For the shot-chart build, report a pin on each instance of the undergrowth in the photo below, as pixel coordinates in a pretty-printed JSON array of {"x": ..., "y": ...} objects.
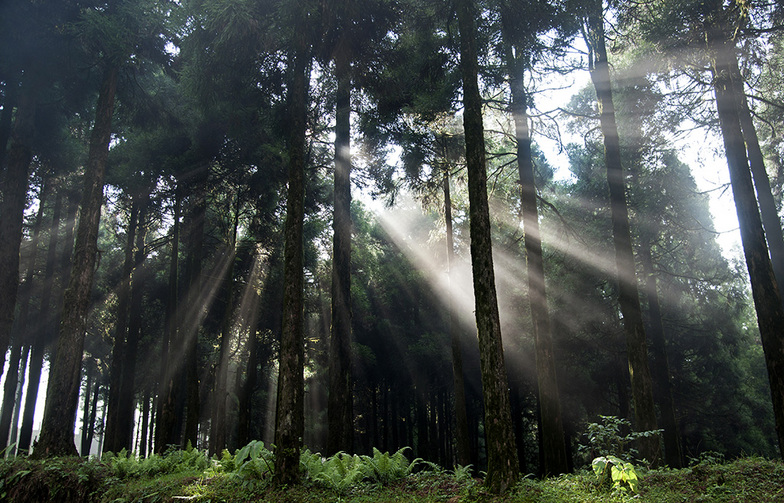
[{"x": 246, "y": 475}]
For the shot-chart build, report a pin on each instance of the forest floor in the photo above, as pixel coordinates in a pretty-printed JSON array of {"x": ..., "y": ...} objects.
[{"x": 118, "y": 480}]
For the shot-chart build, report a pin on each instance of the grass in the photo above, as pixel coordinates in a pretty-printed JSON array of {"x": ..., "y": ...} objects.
[{"x": 191, "y": 476}]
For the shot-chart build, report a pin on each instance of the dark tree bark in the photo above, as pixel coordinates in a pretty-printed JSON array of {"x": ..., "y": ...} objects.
[
  {"x": 628, "y": 294},
  {"x": 660, "y": 369},
  {"x": 552, "y": 442},
  {"x": 20, "y": 387},
  {"x": 218, "y": 424},
  {"x": 189, "y": 330},
  {"x": 144, "y": 429},
  {"x": 63, "y": 391},
  {"x": 340, "y": 416},
  {"x": 771, "y": 222},
  {"x": 767, "y": 297},
  {"x": 84, "y": 447},
  {"x": 88, "y": 442},
  {"x": 165, "y": 416},
  {"x": 21, "y": 336},
  {"x": 127, "y": 395},
  {"x": 112, "y": 441},
  {"x": 43, "y": 337},
  {"x": 458, "y": 378},
  {"x": 289, "y": 415},
  {"x": 11, "y": 93},
  {"x": 12, "y": 205},
  {"x": 502, "y": 462},
  {"x": 245, "y": 399}
]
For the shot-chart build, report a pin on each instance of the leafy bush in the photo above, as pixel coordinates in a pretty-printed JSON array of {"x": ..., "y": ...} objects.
[
  {"x": 622, "y": 474},
  {"x": 254, "y": 462},
  {"x": 608, "y": 438}
]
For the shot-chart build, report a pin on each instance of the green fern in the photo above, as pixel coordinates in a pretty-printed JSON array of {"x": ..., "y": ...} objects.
[
  {"x": 385, "y": 468},
  {"x": 341, "y": 472}
]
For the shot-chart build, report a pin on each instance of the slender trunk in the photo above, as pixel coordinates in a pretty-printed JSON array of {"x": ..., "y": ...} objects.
[
  {"x": 142, "y": 450},
  {"x": 11, "y": 93},
  {"x": 21, "y": 333},
  {"x": 12, "y": 205},
  {"x": 246, "y": 392},
  {"x": 628, "y": 295},
  {"x": 126, "y": 400},
  {"x": 767, "y": 205},
  {"x": 218, "y": 425},
  {"x": 20, "y": 386},
  {"x": 165, "y": 414},
  {"x": 767, "y": 298},
  {"x": 289, "y": 417},
  {"x": 189, "y": 332},
  {"x": 502, "y": 462},
  {"x": 102, "y": 429},
  {"x": 552, "y": 442},
  {"x": 461, "y": 414},
  {"x": 340, "y": 420},
  {"x": 87, "y": 447},
  {"x": 661, "y": 366},
  {"x": 84, "y": 447},
  {"x": 63, "y": 391},
  {"x": 112, "y": 441}
]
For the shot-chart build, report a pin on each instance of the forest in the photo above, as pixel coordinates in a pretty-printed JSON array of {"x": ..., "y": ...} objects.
[{"x": 469, "y": 228}]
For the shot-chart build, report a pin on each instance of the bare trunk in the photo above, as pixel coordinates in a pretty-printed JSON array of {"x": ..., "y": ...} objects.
[
  {"x": 21, "y": 335},
  {"x": 502, "y": 465},
  {"x": 458, "y": 378},
  {"x": 218, "y": 425},
  {"x": 340, "y": 420},
  {"x": 289, "y": 416},
  {"x": 552, "y": 442},
  {"x": 661, "y": 366},
  {"x": 165, "y": 417},
  {"x": 189, "y": 329},
  {"x": 63, "y": 391},
  {"x": 12, "y": 205},
  {"x": 112, "y": 441},
  {"x": 767, "y": 298},
  {"x": 767, "y": 205},
  {"x": 127, "y": 395},
  {"x": 628, "y": 295}
]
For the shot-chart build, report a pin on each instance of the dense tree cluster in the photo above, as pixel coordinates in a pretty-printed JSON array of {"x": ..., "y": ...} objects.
[{"x": 181, "y": 255}]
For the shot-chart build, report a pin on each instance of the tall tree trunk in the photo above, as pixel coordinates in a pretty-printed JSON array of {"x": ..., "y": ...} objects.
[
  {"x": 767, "y": 205},
  {"x": 84, "y": 447},
  {"x": 12, "y": 205},
  {"x": 63, "y": 391},
  {"x": 20, "y": 387},
  {"x": 165, "y": 416},
  {"x": 245, "y": 405},
  {"x": 767, "y": 297},
  {"x": 219, "y": 430},
  {"x": 661, "y": 366},
  {"x": 502, "y": 462},
  {"x": 189, "y": 332},
  {"x": 552, "y": 442},
  {"x": 21, "y": 336},
  {"x": 340, "y": 420},
  {"x": 10, "y": 98},
  {"x": 458, "y": 378},
  {"x": 127, "y": 395},
  {"x": 112, "y": 441},
  {"x": 143, "y": 433},
  {"x": 289, "y": 416},
  {"x": 43, "y": 337},
  {"x": 628, "y": 295}
]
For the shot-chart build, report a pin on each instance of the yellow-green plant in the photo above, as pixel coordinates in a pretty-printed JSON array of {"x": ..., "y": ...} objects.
[{"x": 622, "y": 473}]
